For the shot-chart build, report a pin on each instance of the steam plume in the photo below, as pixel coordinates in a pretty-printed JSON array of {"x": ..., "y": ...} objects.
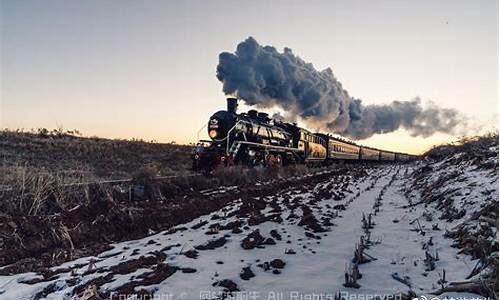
[{"x": 262, "y": 76}]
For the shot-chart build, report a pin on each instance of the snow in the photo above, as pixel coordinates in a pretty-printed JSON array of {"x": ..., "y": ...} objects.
[{"x": 318, "y": 266}]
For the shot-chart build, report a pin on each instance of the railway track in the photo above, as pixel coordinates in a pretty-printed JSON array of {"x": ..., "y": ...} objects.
[
  {"x": 106, "y": 182},
  {"x": 6, "y": 188}
]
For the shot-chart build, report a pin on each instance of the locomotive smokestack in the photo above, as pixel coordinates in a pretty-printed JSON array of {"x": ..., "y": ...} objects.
[{"x": 232, "y": 105}]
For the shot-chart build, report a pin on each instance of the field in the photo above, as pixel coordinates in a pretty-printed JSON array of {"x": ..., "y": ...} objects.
[
  {"x": 429, "y": 227},
  {"x": 67, "y": 154}
]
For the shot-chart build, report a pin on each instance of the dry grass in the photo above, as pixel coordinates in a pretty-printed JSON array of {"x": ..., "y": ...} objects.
[
  {"x": 29, "y": 191},
  {"x": 34, "y": 192},
  {"x": 41, "y": 171},
  {"x": 102, "y": 158},
  {"x": 224, "y": 176},
  {"x": 238, "y": 175},
  {"x": 470, "y": 146},
  {"x": 45, "y": 173}
]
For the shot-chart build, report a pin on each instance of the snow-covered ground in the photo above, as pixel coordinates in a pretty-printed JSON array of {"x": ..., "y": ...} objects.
[{"x": 305, "y": 243}]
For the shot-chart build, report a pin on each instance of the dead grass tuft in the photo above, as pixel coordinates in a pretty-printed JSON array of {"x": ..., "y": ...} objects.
[{"x": 33, "y": 192}]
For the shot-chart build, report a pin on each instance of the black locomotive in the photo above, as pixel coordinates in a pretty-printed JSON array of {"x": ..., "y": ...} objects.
[{"x": 254, "y": 139}]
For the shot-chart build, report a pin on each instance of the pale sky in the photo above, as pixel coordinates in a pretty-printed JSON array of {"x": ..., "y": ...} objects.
[{"x": 146, "y": 69}]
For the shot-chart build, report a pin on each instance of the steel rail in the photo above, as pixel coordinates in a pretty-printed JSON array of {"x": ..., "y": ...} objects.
[{"x": 114, "y": 181}]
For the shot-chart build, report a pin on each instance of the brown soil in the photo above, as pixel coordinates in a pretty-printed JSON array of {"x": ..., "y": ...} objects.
[{"x": 37, "y": 243}]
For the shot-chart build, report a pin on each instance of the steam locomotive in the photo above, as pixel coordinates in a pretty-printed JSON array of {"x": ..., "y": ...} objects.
[{"x": 254, "y": 139}]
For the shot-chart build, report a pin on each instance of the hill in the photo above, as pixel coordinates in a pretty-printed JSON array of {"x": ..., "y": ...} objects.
[{"x": 85, "y": 158}]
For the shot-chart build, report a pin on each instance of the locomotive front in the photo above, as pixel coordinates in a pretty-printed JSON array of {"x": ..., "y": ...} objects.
[
  {"x": 206, "y": 158},
  {"x": 222, "y": 121}
]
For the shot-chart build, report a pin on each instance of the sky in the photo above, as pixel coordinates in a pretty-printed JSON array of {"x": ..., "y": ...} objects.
[{"x": 146, "y": 69}]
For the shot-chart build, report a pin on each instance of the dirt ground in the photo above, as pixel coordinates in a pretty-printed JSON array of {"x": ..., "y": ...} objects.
[{"x": 34, "y": 244}]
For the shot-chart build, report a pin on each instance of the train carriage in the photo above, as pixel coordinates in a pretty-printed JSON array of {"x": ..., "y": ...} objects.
[
  {"x": 387, "y": 155},
  {"x": 367, "y": 153},
  {"x": 339, "y": 149},
  {"x": 402, "y": 157},
  {"x": 314, "y": 146}
]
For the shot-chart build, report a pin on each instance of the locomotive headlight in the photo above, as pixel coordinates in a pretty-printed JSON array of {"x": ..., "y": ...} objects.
[{"x": 212, "y": 133}]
